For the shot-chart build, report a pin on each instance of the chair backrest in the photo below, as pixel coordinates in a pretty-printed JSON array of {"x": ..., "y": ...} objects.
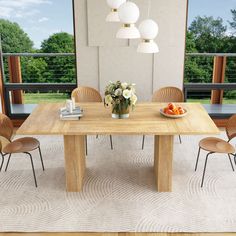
[
  {"x": 168, "y": 94},
  {"x": 6, "y": 127},
  {"x": 231, "y": 127},
  {"x": 86, "y": 94}
]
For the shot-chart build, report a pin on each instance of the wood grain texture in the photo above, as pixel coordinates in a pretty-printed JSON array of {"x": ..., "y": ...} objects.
[
  {"x": 218, "y": 77},
  {"x": 74, "y": 149},
  {"x": 14, "y": 67},
  {"x": 145, "y": 119},
  {"x": 220, "y": 122},
  {"x": 231, "y": 127},
  {"x": 2, "y": 97},
  {"x": 163, "y": 155},
  {"x": 117, "y": 234}
]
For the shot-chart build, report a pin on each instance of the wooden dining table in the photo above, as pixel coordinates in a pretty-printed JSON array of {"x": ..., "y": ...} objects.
[{"x": 144, "y": 120}]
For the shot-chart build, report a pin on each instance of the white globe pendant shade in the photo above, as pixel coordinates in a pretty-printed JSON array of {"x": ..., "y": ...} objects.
[
  {"x": 128, "y": 14},
  {"x": 114, "y": 5},
  {"x": 148, "y": 46},
  {"x": 148, "y": 30}
]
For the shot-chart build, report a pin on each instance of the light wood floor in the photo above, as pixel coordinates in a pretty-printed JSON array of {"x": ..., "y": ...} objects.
[{"x": 117, "y": 234}]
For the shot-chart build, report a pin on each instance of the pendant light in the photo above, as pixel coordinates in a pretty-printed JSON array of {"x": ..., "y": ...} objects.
[
  {"x": 148, "y": 30},
  {"x": 128, "y": 13},
  {"x": 114, "y": 5}
]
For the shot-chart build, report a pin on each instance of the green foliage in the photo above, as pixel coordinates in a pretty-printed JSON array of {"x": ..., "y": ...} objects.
[
  {"x": 190, "y": 42},
  {"x": 61, "y": 68},
  {"x": 14, "y": 39},
  {"x": 34, "y": 70},
  {"x": 208, "y": 33},
  {"x": 233, "y": 23}
]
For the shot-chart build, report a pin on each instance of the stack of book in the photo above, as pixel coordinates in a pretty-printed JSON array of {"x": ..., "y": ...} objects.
[{"x": 74, "y": 115}]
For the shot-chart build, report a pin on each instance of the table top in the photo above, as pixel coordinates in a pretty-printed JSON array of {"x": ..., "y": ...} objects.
[{"x": 145, "y": 119}]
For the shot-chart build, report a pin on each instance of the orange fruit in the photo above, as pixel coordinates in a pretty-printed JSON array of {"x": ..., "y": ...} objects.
[
  {"x": 170, "y": 112},
  {"x": 181, "y": 111},
  {"x": 171, "y": 106},
  {"x": 176, "y": 111}
]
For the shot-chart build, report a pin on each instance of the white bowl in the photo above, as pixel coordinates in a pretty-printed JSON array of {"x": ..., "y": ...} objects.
[{"x": 173, "y": 116}]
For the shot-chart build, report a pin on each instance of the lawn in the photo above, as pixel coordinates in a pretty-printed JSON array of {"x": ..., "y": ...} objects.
[
  {"x": 208, "y": 101},
  {"x": 35, "y": 98}
]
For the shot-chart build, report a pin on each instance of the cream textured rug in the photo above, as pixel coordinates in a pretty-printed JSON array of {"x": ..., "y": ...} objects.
[{"x": 119, "y": 191}]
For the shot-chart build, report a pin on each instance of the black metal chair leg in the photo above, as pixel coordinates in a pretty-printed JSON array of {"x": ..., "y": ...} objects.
[
  {"x": 197, "y": 159},
  {"x": 111, "y": 142},
  {"x": 31, "y": 159},
  {"x": 86, "y": 145},
  {"x": 180, "y": 140},
  {"x": 235, "y": 159},
  {"x": 97, "y": 136},
  {"x": 231, "y": 162},
  {"x": 41, "y": 157},
  {"x": 143, "y": 142},
  {"x": 8, "y": 162},
  {"x": 204, "y": 171},
  {"x": 2, "y": 162}
]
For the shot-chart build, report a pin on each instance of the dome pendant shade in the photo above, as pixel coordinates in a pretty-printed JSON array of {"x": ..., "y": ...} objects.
[
  {"x": 128, "y": 31},
  {"x": 113, "y": 16},
  {"x": 148, "y": 46},
  {"x": 114, "y": 5}
]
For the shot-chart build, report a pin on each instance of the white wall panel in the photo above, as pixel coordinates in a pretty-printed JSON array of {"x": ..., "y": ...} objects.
[
  {"x": 116, "y": 64},
  {"x": 100, "y": 32},
  {"x": 101, "y": 57}
]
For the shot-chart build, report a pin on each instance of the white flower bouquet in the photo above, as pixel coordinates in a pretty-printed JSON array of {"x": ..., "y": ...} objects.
[{"x": 121, "y": 96}]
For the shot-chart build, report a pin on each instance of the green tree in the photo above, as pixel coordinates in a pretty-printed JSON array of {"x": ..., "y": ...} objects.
[
  {"x": 61, "y": 69},
  {"x": 190, "y": 43},
  {"x": 197, "y": 69},
  {"x": 233, "y": 22},
  {"x": 58, "y": 42},
  {"x": 14, "y": 39},
  {"x": 208, "y": 33}
]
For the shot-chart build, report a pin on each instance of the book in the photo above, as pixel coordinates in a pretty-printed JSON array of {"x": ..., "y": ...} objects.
[
  {"x": 69, "y": 117},
  {"x": 74, "y": 115}
]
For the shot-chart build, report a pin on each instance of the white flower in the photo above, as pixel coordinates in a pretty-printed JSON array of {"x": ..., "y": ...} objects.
[
  {"x": 127, "y": 93},
  {"x": 133, "y": 99},
  {"x": 108, "y": 99},
  {"x": 118, "y": 92},
  {"x": 124, "y": 85},
  {"x": 133, "y": 90}
]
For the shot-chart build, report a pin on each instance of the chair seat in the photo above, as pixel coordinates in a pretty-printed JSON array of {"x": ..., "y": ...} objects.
[
  {"x": 218, "y": 145},
  {"x": 20, "y": 145}
]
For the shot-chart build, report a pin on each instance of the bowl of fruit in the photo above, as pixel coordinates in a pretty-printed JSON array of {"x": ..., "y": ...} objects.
[{"x": 173, "y": 111}]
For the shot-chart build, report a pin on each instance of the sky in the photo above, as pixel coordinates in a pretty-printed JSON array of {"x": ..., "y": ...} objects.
[
  {"x": 215, "y": 8},
  {"x": 41, "y": 18}
]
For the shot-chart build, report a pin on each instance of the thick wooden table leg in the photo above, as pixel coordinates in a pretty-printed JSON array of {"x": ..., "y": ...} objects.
[
  {"x": 74, "y": 149},
  {"x": 163, "y": 155}
]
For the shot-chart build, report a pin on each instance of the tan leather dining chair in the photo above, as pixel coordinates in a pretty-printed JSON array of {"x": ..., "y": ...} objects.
[
  {"x": 87, "y": 94},
  {"x": 21, "y": 145},
  {"x": 167, "y": 94},
  {"x": 217, "y": 145}
]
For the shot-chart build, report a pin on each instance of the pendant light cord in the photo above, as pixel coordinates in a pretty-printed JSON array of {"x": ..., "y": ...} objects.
[{"x": 149, "y": 8}]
